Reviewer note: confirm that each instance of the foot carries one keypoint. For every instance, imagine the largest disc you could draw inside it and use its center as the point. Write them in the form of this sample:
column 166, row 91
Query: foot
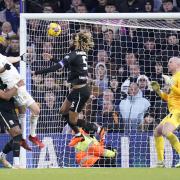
column 35, row 140
column 24, row 144
column 75, row 140
column 160, row 164
column 177, row 165
column 4, row 162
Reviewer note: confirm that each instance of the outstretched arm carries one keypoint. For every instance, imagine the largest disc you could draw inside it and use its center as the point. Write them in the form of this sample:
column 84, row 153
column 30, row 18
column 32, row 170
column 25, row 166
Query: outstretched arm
column 59, row 65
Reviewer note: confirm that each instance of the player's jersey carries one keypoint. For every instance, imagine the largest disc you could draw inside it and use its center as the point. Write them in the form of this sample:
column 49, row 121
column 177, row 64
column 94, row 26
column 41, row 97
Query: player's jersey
column 173, row 98
column 4, row 104
column 9, row 77
column 76, row 62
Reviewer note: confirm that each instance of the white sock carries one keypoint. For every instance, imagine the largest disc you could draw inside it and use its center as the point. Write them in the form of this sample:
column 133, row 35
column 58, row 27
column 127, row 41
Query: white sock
column 16, row 161
column 33, row 122
column 78, row 134
column 2, row 155
column 22, row 120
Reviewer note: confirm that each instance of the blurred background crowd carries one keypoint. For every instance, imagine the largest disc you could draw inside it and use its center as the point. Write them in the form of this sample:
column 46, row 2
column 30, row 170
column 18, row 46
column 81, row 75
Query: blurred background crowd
column 102, row 6
column 122, row 63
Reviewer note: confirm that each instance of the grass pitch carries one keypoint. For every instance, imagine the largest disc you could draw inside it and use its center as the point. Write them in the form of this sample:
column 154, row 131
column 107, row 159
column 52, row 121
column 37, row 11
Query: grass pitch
column 91, row 174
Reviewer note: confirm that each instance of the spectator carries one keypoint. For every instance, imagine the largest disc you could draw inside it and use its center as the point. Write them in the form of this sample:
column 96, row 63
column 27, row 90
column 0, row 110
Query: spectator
column 101, row 76
column 10, row 14
column 100, row 8
column 167, row 6
column 81, row 8
column 144, row 85
column 111, row 7
column 47, row 122
column 114, row 86
column 7, row 31
column 108, row 117
column 133, row 108
column 47, row 8
column 149, row 6
column 134, row 73
column 148, row 56
column 148, row 123
column 74, row 6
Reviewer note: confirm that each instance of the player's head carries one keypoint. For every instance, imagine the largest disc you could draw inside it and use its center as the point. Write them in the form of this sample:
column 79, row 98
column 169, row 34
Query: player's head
column 82, row 41
column 174, row 64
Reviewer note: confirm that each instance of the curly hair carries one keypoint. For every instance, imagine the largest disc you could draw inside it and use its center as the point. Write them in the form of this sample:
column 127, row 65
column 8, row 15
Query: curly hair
column 82, row 41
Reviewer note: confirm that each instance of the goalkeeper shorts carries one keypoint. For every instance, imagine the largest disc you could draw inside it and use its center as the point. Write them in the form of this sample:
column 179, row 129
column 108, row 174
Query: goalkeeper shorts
column 173, row 118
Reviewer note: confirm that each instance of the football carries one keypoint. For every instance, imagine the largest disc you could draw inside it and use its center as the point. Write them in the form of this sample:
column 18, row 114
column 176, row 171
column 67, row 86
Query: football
column 54, row 29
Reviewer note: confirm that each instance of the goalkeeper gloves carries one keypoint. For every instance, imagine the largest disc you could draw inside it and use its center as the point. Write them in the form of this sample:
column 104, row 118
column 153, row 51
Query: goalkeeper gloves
column 155, row 86
column 7, row 66
column 168, row 80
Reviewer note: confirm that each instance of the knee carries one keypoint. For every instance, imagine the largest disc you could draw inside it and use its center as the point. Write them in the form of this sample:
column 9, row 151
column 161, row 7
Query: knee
column 165, row 132
column 36, row 112
column 157, row 132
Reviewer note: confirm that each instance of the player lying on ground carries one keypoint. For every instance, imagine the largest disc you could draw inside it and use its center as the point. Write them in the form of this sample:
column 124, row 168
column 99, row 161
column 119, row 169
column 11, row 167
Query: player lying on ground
column 10, row 76
column 92, row 153
column 76, row 62
column 9, row 120
column 170, row 123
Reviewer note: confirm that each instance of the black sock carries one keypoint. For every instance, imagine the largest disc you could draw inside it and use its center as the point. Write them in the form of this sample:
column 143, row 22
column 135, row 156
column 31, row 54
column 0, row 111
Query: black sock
column 16, row 145
column 87, row 126
column 8, row 147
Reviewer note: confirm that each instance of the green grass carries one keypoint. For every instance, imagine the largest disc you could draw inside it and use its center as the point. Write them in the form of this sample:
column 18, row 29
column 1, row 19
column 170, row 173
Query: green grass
column 91, row 174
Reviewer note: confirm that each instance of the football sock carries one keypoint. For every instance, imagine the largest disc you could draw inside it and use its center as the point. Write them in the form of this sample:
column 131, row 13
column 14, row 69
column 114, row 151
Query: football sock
column 22, row 120
column 159, row 144
column 8, row 147
column 33, row 123
column 174, row 141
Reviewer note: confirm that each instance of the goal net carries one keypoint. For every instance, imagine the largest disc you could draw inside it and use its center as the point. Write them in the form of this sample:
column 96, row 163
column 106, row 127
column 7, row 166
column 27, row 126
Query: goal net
column 128, row 53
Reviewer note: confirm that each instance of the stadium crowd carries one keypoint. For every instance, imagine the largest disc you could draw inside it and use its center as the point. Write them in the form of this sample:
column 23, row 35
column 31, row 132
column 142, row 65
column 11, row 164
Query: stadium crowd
column 102, row 6
column 122, row 62
column 9, row 31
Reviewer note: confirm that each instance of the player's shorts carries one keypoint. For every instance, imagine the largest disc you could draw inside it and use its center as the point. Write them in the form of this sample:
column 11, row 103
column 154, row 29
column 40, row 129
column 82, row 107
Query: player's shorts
column 173, row 118
column 9, row 119
column 23, row 98
column 78, row 98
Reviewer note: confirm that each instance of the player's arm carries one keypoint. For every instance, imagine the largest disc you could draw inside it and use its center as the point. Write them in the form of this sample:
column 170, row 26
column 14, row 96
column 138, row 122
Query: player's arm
column 156, row 87
column 13, row 59
column 5, row 67
column 54, row 68
column 8, row 94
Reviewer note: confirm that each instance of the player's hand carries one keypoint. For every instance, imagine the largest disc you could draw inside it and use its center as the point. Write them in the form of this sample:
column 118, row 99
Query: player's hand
column 155, row 86
column 20, row 83
column 7, row 66
column 22, row 57
column 47, row 56
column 168, row 80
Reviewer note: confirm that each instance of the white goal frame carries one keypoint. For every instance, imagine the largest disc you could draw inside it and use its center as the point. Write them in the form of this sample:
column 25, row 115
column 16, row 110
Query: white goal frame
column 75, row 16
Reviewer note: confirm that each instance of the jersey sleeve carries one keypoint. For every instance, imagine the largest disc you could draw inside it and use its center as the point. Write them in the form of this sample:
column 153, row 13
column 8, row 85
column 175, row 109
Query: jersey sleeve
column 176, row 87
column 3, row 60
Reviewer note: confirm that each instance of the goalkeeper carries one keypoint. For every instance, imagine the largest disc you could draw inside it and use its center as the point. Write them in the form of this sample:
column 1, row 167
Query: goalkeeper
column 169, row 124
column 91, row 153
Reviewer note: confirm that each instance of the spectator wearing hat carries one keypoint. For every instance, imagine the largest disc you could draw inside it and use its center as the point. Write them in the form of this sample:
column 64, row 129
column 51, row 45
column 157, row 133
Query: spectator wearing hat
column 144, row 85
column 167, row 6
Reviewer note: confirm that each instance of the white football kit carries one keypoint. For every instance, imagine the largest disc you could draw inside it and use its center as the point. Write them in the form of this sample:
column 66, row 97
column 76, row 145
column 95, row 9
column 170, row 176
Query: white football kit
column 11, row 78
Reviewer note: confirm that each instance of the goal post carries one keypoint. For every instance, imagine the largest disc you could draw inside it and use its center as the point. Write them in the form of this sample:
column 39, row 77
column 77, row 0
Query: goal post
column 139, row 37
